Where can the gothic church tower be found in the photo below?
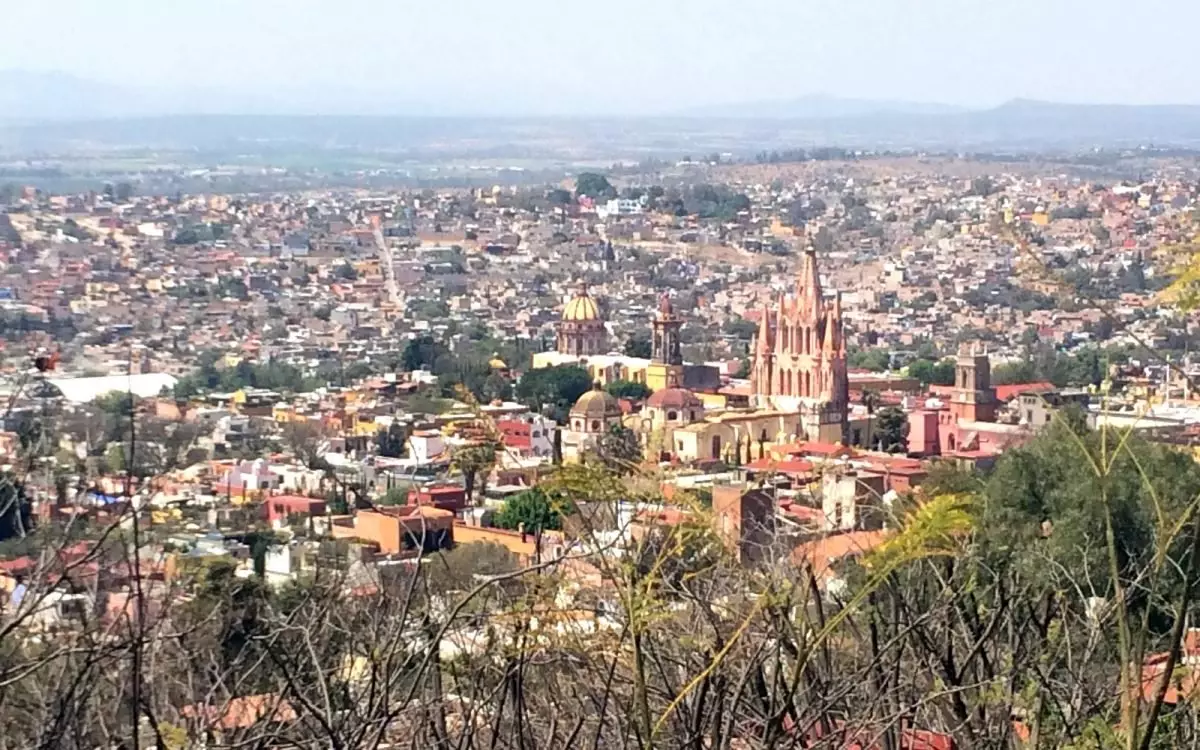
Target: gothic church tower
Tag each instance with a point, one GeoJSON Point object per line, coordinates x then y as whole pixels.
{"type": "Point", "coordinates": [800, 358]}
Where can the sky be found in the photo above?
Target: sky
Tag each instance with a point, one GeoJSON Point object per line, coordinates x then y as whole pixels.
{"type": "Point", "coordinates": [617, 56]}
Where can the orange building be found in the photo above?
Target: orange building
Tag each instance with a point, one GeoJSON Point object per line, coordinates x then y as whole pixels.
{"type": "Point", "coordinates": [402, 529]}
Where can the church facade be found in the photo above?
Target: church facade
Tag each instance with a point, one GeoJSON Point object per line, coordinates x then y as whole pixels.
{"type": "Point", "coordinates": [800, 358]}
{"type": "Point", "coordinates": [583, 340]}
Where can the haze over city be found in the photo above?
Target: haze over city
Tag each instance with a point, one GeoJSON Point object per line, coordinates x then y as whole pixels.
{"type": "Point", "coordinates": [534, 57]}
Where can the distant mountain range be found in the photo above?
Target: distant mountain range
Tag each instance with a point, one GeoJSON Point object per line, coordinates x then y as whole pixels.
{"type": "Point", "coordinates": [818, 106]}
{"type": "Point", "coordinates": [33, 96]}
{"type": "Point", "coordinates": [53, 110]}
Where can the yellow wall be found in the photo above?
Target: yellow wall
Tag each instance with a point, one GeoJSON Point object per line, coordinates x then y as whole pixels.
{"type": "Point", "coordinates": [659, 376]}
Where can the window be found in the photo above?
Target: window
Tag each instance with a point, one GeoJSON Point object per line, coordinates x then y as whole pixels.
{"type": "Point", "coordinates": [1029, 416]}
{"type": "Point", "coordinates": [672, 416]}
{"type": "Point", "coordinates": [595, 424]}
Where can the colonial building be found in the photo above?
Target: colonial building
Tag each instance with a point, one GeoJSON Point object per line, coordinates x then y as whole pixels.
{"type": "Point", "coordinates": [962, 422]}
{"type": "Point", "coordinates": [593, 415]}
{"type": "Point", "coordinates": [583, 341]}
{"type": "Point", "coordinates": [800, 358]}
{"type": "Point", "coordinates": [581, 333]}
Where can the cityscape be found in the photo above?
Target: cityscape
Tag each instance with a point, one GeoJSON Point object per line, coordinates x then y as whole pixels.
{"type": "Point", "coordinates": [820, 422]}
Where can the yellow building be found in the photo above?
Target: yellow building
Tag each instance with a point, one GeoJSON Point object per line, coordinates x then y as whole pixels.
{"type": "Point", "coordinates": [665, 369]}
{"type": "Point", "coordinates": [734, 435]}
{"type": "Point", "coordinates": [602, 368]}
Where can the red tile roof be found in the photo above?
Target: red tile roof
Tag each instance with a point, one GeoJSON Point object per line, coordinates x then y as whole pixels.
{"type": "Point", "coordinates": [1006, 392]}
{"type": "Point", "coordinates": [780, 467]}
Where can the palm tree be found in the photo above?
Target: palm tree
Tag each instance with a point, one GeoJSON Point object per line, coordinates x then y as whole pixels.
{"type": "Point", "coordinates": [472, 461]}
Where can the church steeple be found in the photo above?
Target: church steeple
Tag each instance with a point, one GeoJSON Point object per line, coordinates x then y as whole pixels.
{"type": "Point", "coordinates": [666, 368]}
{"type": "Point", "coordinates": [665, 347]}
{"type": "Point", "coordinates": [808, 284]}
{"type": "Point", "coordinates": [800, 357]}
{"type": "Point", "coordinates": [763, 341]}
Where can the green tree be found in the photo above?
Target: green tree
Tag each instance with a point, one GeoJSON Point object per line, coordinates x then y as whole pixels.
{"type": "Point", "coordinates": [423, 353]}
{"type": "Point", "coordinates": [1011, 373]}
{"type": "Point", "coordinates": [124, 191]}
{"type": "Point", "coordinates": [558, 197]}
{"type": "Point", "coordinates": [628, 389]}
{"type": "Point", "coordinates": [740, 329]}
{"type": "Point", "coordinates": [534, 510]}
{"type": "Point", "coordinates": [875, 360]}
{"type": "Point", "coordinates": [395, 496]}
{"type": "Point", "coordinates": [392, 442]}
{"type": "Point", "coordinates": [891, 432]}
{"type": "Point", "coordinates": [638, 345]}
{"type": "Point", "coordinates": [555, 388]}
{"type": "Point", "coordinates": [594, 185]}
{"type": "Point", "coordinates": [932, 373]}
{"type": "Point", "coordinates": [619, 449]}
{"type": "Point", "coordinates": [495, 387]}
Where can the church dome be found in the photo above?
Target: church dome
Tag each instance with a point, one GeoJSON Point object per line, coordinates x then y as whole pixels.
{"type": "Point", "coordinates": [673, 398]}
{"type": "Point", "coordinates": [581, 307]}
{"type": "Point", "coordinates": [597, 404]}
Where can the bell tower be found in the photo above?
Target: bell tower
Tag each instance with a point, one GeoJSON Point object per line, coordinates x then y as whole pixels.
{"type": "Point", "coordinates": [666, 357]}
{"type": "Point", "coordinates": [974, 398]}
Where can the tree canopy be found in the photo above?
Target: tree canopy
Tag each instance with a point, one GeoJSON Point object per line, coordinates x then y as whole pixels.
{"type": "Point", "coordinates": [534, 510]}
{"type": "Point", "coordinates": [892, 430]}
{"type": "Point", "coordinates": [638, 345]}
{"type": "Point", "coordinates": [932, 373]}
{"type": "Point", "coordinates": [628, 389]}
{"type": "Point", "coordinates": [594, 185]}
{"type": "Point", "coordinates": [554, 388]}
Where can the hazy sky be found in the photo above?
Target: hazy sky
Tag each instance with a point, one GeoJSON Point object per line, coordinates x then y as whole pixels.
{"type": "Point", "coordinates": [622, 55]}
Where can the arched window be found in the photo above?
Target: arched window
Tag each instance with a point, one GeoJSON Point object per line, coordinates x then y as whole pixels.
{"type": "Point", "coordinates": [951, 442]}
{"type": "Point", "coordinates": [672, 416]}
{"type": "Point", "coordinates": [596, 425]}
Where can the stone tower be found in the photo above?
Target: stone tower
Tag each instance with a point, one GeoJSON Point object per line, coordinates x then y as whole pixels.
{"type": "Point", "coordinates": [974, 399]}
{"type": "Point", "coordinates": [666, 357]}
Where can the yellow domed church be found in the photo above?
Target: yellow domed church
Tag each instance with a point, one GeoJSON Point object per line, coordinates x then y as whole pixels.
{"type": "Point", "coordinates": [583, 340]}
